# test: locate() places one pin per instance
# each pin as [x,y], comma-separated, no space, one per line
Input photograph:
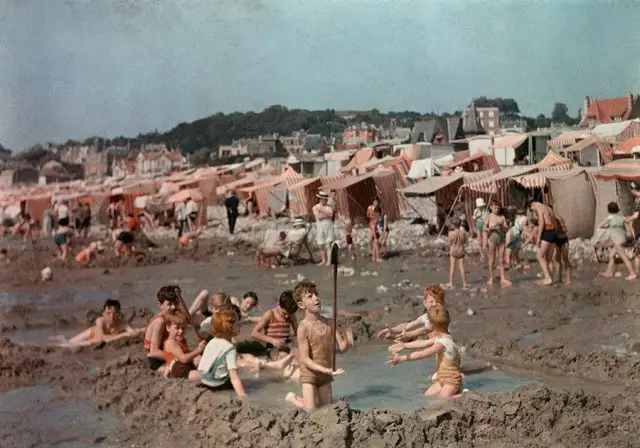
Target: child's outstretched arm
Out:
[414,356]
[303,348]
[410,335]
[414,345]
[344,339]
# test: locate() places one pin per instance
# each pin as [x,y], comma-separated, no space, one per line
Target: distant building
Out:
[608,110]
[471,124]
[362,135]
[489,118]
[159,162]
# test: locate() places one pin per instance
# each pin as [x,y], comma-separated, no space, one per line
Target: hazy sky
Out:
[76,68]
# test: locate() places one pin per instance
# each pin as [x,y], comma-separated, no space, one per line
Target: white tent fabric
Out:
[421,169]
[443,161]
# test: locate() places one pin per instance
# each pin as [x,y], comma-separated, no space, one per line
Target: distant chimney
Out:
[629,102]
[587,103]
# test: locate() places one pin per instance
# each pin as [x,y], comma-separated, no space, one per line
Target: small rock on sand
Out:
[530,313]
[381,289]
[617,274]
[470,312]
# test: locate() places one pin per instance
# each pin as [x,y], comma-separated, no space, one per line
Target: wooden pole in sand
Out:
[334,322]
[186,311]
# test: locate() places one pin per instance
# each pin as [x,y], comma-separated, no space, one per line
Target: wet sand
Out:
[572,342]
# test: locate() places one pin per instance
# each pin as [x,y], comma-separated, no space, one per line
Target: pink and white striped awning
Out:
[490,184]
[540,179]
[568,138]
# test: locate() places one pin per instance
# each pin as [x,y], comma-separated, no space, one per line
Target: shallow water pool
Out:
[368,383]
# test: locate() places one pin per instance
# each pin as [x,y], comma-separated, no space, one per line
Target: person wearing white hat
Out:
[323,213]
[479,215]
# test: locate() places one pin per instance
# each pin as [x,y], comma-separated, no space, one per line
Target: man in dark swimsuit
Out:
[231,204]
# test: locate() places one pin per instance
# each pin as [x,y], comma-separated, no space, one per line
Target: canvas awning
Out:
[568,138]
[490,184]
[622,169]
[552,159]
[592,140]
[630,146]
[429,186]
[345,182]
[360,157]
[539,180]
[509,141]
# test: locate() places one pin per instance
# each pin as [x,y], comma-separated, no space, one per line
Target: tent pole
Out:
[450,211]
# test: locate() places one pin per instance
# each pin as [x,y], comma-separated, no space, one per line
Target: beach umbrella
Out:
[180,196]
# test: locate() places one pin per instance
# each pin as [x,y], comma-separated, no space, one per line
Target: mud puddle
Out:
[41,417]
[369,384]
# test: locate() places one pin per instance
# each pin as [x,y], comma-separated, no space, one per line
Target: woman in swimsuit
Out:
[617,238]
[478,217]
[495,229]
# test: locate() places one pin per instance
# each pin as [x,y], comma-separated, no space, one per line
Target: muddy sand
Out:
[579,345]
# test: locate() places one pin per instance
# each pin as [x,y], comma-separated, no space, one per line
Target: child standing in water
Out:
[457,242]
[448,382]
[495,227]
[315,343]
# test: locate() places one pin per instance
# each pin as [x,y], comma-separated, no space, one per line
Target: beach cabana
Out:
[590,151]
[478,162]
[261,190]
[570,193]
[508,148]
[353,194]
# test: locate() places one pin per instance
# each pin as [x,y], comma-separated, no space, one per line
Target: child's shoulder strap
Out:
[220,359]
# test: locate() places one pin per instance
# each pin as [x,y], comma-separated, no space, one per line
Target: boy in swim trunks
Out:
[277,327]
[315,342]
[156,331]
[449,377]
[495,229]
[108,328]
[546,238]
[404,332]
[180,362]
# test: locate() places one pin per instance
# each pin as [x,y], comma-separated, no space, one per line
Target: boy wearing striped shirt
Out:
[277,327]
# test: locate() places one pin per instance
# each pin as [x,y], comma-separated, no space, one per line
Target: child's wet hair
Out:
[111,303]
[223,323]
[282,235]
[436,292]
[439,317]
[251,294]
[613,208]
[220,300]
[177,318]
[494,202]
[287,301]
[455,222]
[168,293]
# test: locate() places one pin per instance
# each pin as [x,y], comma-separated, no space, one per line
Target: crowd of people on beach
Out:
[290,349]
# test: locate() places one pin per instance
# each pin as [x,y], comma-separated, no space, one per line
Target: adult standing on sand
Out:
[232,203]
[547,237]
[323,213]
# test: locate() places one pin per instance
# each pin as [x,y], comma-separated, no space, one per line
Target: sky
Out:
[78,68]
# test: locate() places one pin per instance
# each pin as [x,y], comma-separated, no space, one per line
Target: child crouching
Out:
[218,367]
[315,345]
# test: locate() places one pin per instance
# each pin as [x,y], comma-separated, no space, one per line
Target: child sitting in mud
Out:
[108,328]
[218,367]
[433,294]
[457,241]
[180,362]
[156,331]
[277,326]
[449,377]
[316,345]
[495,228]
